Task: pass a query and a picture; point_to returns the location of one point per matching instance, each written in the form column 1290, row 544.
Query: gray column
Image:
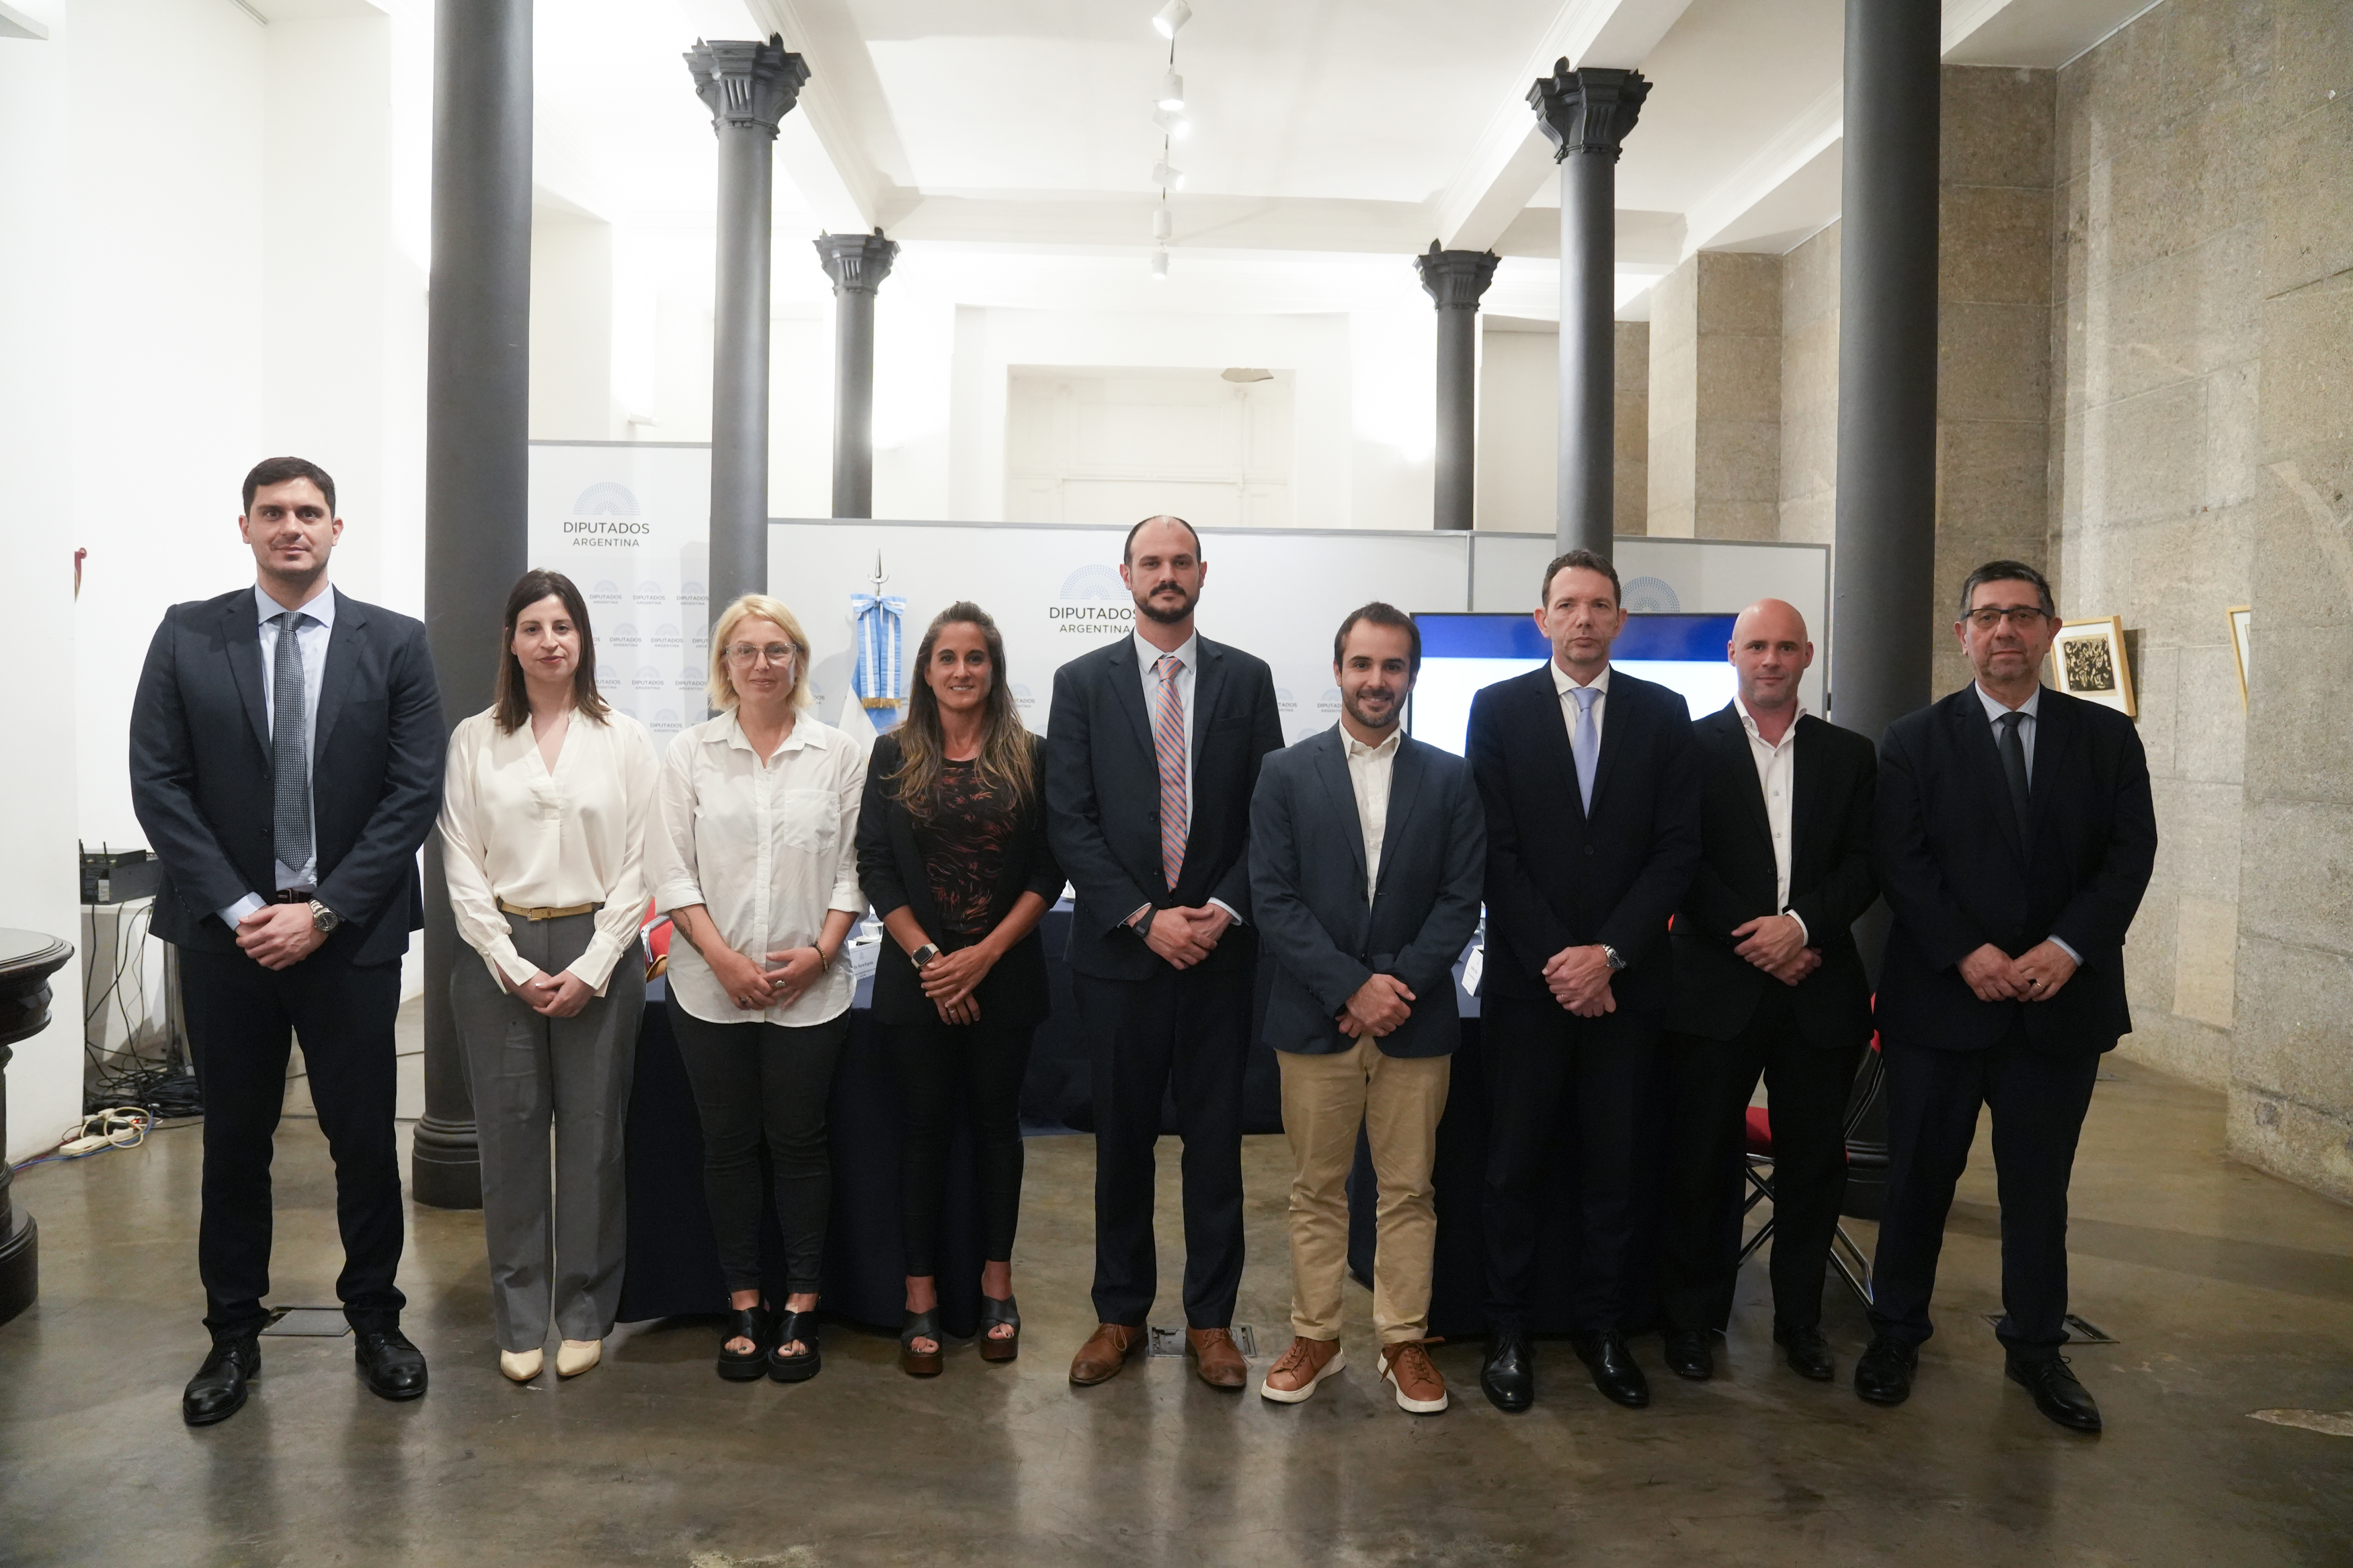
column 1883, row 553
column 748, row 86
column 1585, row 115
column 1455, row 279
column 476, row 404
column 856, row 263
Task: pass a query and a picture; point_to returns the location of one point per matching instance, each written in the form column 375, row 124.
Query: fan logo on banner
column 1094, row 602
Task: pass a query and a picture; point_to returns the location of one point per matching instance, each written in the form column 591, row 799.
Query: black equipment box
column 117, row 876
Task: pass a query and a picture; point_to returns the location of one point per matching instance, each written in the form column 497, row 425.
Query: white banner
column 630, row 523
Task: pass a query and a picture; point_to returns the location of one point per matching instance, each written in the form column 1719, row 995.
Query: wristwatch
column 1610, row 956
column 323, row 920
column 924, row 955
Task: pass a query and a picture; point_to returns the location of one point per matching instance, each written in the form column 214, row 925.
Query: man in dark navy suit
column 1592, row 803
column 2015, row 835
column 286, row 749
column 1152, row 751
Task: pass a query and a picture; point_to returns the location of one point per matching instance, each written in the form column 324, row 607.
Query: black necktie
column 2014, row 764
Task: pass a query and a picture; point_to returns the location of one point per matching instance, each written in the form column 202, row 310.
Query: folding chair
column 1845, row 1256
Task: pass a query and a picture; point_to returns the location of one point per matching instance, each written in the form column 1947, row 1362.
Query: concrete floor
column 2230, row 1292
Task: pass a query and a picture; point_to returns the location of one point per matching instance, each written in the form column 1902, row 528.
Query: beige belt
column 545, row 912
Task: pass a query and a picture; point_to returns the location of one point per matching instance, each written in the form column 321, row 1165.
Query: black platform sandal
column 790, row 1326
column 922, row 1363
column 744, row 1366
column 998, row 1347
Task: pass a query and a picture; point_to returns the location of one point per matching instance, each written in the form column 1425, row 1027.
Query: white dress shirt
column 1189, row 654
column 1994, row 710
column 1561, row 684
column 1369, row 768
column 1777, row 775
column 514, row 829
column 312, row 633
column 767, row 848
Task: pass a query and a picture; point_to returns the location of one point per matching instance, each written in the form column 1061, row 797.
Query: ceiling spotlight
column 1173, row 125
column 1167, row 178
column 1172, row 93
column 1171, row 17
column 1160, row 257
column 1162, row 225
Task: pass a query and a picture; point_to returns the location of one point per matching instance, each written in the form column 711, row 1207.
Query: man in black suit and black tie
column 1152, row 751
column 1767, row 981
column 286, row 749
column 1592, row 804
column 2015, row 835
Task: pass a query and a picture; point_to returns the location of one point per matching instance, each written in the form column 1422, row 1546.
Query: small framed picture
column 2088, row 657
column 2242, row 617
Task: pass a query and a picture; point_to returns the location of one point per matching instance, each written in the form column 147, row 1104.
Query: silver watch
column 1610, row 956
column 323, row 920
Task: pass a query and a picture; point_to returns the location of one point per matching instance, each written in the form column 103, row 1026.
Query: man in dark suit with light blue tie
column 1592, row 797
column 286, row 752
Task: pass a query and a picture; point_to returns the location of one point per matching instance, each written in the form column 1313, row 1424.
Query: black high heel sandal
column 744, row 1366
column 998, row 1347
column 922, row 1363
column 790, row 1326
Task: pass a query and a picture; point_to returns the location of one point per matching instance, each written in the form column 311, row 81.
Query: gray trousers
column 558, row 1254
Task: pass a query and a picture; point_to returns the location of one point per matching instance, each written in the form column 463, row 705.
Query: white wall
column 1111, row 446
column 1519, row 429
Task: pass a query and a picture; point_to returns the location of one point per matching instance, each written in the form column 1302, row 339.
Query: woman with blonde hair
column 542, row 840
column 754, row 855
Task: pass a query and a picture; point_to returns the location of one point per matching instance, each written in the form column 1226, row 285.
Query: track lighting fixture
column 1172, row 93
column 1170, row 18
column 1166, row 177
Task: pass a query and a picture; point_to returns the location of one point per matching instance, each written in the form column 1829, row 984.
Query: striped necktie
column 1169, row 751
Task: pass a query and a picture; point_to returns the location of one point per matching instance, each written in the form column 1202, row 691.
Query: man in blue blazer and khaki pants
column 1367, row 849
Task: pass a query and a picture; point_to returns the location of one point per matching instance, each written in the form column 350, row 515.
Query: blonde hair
column 757, row 606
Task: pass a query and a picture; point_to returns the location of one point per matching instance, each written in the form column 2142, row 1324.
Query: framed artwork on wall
column 2088, row 660
column 2243, row 616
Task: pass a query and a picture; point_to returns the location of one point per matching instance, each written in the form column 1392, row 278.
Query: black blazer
column 891, row 869
column 1103, row 800
column 1555, row 878
column 1307, row 891
column 1835, row 774
column 1955, row 872
column 200, row 772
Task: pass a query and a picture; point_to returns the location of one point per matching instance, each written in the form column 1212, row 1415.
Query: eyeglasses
column 2025, row 618
column 743, row 655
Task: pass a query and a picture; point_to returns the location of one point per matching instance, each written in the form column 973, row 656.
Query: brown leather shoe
column 1219, row 1360
column 1105, row 1352
column 1420, row 1387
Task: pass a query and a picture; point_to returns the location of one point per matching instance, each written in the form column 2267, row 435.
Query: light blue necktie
column 1587, row 743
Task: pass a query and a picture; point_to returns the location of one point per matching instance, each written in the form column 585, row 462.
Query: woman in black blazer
column 952, row 851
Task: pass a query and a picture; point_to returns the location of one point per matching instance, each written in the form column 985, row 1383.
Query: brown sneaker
column 1219, row 1360
column 1420, row 1388
column 1105, row 1352
column 1306, row 1363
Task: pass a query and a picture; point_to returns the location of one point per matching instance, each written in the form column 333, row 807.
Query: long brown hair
column 1005, row 760
column 512, row 699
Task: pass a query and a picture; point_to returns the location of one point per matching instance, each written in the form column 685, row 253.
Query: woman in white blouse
column 544, row 830
column 754, row 857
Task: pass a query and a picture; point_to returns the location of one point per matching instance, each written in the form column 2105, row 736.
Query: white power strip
column 122, row 1126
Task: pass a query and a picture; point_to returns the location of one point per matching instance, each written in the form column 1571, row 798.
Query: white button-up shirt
column 1561, row 684
column 1776, row 776
column 767, row 848
column 1369, row 768
column 512, row 828
column 310, row 638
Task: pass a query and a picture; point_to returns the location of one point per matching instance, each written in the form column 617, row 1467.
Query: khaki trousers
column 1397, row 1101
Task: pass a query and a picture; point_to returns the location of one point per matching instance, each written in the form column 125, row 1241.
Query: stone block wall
column 1714, row 398
column 1809, row 369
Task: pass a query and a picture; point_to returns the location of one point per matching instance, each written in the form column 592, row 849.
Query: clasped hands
column 1777, row 944
column 2034, row 975
column 1185, row 936
column 750, row 987
column 1380, row 1007
column 1578, row 978
column 278, row 936
column 551, row 995
column 951, row 979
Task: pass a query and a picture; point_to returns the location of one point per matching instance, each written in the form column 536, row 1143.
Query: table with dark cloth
column 673, row 1259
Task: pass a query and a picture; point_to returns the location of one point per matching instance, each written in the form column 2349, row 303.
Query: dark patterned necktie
column 2014, row 764
column 291, row 768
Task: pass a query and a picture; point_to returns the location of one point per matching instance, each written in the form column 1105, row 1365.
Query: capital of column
column 1588, row 110
column 1456, row 278
column 857, row 262
column 746, row 85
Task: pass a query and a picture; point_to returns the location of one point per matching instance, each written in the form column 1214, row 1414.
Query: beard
column 1359, row 710
column 1151, row 611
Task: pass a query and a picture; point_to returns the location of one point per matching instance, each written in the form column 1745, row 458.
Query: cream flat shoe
column 577, row 1356
column 521, row 1366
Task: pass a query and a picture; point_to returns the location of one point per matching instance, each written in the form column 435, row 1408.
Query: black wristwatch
column 924, row 955
column 1610, row 956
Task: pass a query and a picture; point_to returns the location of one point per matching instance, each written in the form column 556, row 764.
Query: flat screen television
column 1462, row 653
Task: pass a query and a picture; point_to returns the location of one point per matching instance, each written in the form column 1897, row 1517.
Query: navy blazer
column 1103, row 800
column 1557, row 878
column 201, row 772
column 1958, row 873
column 1834, row 773
column 1307, row 891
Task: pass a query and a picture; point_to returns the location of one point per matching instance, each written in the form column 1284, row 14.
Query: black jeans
column 932, row 1062
column 1699, row 1241
column 754, row 1079
column 241, row 1018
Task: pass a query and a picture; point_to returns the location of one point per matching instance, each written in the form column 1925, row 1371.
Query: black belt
column 293, row 895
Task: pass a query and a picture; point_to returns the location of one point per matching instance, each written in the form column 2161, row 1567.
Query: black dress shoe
column 1509, row 1377
column 1690, row 1355
column 394, row 1368
column 1615, row 1371
column 2056, row 1392
column 1809, row 1354
column 1883, row 1375
column 218, row 1391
